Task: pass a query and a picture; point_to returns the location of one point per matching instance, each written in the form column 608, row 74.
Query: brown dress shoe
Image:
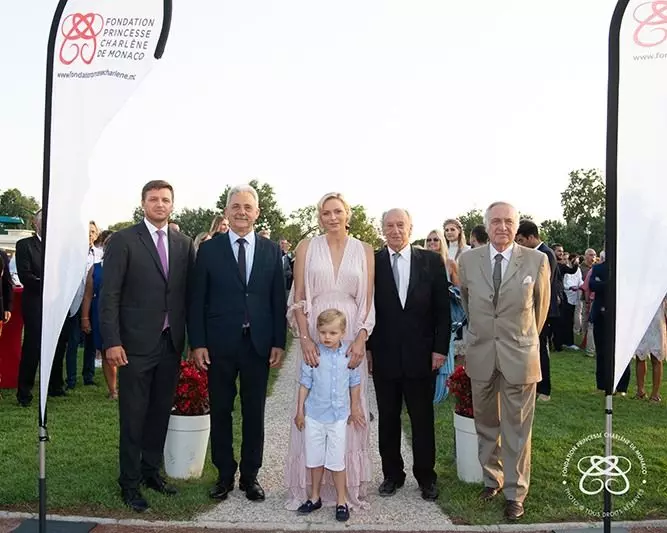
column 513, row 510
column 489, row 493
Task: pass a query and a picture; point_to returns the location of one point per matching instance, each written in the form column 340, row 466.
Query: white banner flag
column 641, row 279
column 99, row 52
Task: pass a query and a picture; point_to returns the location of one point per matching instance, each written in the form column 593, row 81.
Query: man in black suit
column 142, row 319
column 6, row 290
column 237, row 327
column 29, row 268
column 408, row 345
column 528, row 235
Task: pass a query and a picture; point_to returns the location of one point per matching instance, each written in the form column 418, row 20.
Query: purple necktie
column 162, row 252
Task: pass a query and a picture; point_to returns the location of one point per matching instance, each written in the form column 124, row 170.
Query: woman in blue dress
column 90, row 320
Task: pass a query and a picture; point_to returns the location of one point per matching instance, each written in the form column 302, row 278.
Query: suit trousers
column 30, row 356
column 418, row 395
column 544, row 386
column 146, row 388
column 252, row 369
column 567, row 323
column 600, row 334
column 504, row 413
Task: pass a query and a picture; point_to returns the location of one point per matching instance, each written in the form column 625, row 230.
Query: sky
column 433, row 105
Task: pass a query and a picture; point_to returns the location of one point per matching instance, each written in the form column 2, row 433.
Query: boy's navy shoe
column 309, row 507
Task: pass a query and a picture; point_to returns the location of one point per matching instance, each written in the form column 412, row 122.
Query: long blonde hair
column 444, row 251
column 461, row 241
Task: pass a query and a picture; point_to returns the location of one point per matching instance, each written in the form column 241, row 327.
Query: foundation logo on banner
column 90, row 36
column 651, row 19
column 586, row 474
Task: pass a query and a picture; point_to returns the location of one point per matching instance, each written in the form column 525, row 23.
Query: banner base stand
column 55, row 526
column 593, row 530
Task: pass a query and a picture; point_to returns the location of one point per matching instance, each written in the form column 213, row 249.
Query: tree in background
column 270, row 215
column 194, row 221
column 138, row 214
column 13, row 203
column 364, row 227
column 584, row 198
column 117, row 226
column 470, row 219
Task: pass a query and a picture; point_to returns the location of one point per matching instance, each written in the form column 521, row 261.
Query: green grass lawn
column 82, row 458
column 575, row 411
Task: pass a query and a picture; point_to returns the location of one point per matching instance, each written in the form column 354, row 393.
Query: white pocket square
column 527, row 280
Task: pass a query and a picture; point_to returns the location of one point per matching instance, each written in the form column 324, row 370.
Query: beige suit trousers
column 504, row 421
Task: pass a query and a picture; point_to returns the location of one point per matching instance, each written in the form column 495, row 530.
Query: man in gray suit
column 506, row 291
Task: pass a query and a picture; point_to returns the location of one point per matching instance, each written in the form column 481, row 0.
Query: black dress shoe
column 133, row 499
column 24, row 402
column 221, row 490
column 57, row 393
column 513, row 510
column 389, row 487
column 342, row 513
column 309, row 506
column 430, row 492
column 488, row 493
column 253, row 490
column 158, row 483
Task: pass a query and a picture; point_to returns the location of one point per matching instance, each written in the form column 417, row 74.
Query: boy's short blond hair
column 330, row 316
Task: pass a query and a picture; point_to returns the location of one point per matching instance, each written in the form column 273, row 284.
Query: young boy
column 329, row 398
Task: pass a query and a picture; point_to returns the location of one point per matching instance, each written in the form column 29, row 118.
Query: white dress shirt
column 249, row 250
column 153, row 231
column 507, row 255
column 572, row 283
column 404, row 260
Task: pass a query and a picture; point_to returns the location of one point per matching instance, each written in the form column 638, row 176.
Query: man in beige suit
column 506, row 292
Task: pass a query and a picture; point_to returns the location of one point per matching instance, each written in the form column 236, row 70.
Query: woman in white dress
column 653, row 346
column 456, row 239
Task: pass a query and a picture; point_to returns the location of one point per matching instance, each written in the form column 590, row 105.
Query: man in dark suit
column 598, row 285
column 142, row 319
column 528, row 235
column 6, row 290
column 408, row 345
column 288, row 263
column 237, row 327
column 29, row 268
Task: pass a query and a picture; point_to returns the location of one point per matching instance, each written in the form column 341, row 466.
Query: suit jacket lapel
column 385, row 265
column 415, row 268
column 147, row 240
column 485, row 265
column 256, row 259
column 514, row 266
column 228, row 253
column 174, row 251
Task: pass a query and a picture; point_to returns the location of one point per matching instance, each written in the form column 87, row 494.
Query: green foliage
column 121, row 225
column 194, row 221
column 138, row 215
column 584, row 198
column 270, row 216
column 301, row 223
column 364, row 227
column 13, row 203
column 572, row 236
column 470, row 219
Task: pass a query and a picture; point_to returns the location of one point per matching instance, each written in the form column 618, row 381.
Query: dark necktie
column 497, row 277
column 397, row 275
column 243, row 271
column 242, row 264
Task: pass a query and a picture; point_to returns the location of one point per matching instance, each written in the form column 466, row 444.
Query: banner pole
column 611, row 227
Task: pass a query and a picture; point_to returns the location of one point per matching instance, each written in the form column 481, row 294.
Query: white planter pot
column 467, row 446
column 186, row 445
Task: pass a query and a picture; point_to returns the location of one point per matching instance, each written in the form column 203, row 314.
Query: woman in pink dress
column 333, row 270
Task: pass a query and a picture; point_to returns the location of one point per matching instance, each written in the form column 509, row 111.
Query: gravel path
column 406, row 508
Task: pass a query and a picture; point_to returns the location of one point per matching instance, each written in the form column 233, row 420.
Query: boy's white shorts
column 325, row 444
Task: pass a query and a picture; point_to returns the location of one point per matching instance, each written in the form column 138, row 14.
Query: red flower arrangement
column 191, row 392
column 460, row 387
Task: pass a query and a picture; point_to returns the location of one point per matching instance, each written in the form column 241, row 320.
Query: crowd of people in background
column 566, row 299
